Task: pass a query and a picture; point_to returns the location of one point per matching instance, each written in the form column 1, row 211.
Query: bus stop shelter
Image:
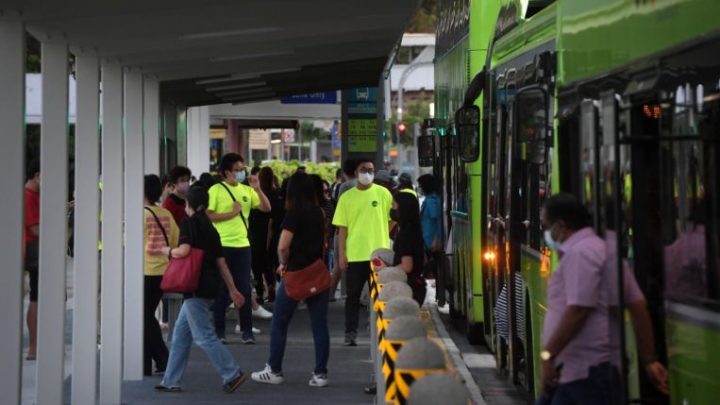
column 138, row 66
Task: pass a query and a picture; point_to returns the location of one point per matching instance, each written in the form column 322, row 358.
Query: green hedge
column 283, row 169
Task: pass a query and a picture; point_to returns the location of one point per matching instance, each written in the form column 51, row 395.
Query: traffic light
column 401, row 129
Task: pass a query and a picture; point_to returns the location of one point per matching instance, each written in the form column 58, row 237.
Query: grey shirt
column 346, row 186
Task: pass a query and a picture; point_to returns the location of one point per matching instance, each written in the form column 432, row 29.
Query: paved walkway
column 349, row 370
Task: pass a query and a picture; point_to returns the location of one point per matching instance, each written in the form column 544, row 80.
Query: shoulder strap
column 167, row 241
column 242, row 216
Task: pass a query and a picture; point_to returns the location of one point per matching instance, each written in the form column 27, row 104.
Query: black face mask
column 394, row 215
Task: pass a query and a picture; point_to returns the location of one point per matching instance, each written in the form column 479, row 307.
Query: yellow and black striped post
column 417, row 358
column 402, row 329
column 397, row 306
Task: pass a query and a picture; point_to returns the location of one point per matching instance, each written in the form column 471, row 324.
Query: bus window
column 690, row 254
column 588, row 156
column 532, row 126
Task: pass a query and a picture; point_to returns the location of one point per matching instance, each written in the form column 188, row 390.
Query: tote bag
column 182, row 274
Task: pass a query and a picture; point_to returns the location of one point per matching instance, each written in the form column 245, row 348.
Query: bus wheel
column 475, row 333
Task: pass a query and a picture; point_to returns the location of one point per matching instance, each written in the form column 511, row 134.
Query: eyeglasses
column 367, row 170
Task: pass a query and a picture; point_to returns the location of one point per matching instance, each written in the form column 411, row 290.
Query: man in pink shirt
column 579, row 364
column 576, row 357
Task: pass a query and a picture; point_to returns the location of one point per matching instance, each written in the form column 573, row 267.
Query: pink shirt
column 580, row 280
column 685, row 265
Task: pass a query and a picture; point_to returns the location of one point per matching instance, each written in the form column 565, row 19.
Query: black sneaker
column 162, row 388
column 233, row 384
column 350, row 339
column 248, row 340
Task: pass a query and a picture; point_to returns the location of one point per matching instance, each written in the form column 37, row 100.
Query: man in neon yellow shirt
column 229, row 205
column 362, row 217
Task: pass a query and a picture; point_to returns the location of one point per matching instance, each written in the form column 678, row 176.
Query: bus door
column 597, row 182
column 530, row 183
column 498, row 172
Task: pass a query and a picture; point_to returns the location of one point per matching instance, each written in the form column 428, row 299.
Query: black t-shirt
column 307, row 243
column 409, row 243
column 201, row 234
column 259, row 223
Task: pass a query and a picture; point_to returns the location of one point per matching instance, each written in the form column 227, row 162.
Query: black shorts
column 31, row 266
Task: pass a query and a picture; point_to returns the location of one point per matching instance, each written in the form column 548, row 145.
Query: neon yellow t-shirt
column 233, row 232
column 155, row 261
column 365, row 214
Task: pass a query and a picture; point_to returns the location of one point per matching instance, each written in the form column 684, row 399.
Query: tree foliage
column 310, row 132
column 424, row 19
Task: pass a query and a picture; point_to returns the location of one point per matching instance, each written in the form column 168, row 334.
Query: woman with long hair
column 193, row 323
column 408, row 246
column 301, row 244
column 260, row 238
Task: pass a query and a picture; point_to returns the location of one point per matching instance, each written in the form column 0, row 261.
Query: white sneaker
column 238, row 331
column 267, row 376
column 262, row 313
column 318, row 380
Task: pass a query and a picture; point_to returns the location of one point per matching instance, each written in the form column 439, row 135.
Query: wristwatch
column 545, row 355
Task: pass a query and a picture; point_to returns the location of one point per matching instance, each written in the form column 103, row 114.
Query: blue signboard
column 326, row 97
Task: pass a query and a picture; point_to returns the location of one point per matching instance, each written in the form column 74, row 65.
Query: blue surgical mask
column 549, row 241
column 240, row 176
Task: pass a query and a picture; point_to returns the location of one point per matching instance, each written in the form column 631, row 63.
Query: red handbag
column 308, row 281
column 182, row 274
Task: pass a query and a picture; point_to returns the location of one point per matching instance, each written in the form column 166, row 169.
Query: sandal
column 162, row 388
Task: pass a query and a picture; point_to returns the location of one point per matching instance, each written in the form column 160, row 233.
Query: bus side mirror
column 467, row 124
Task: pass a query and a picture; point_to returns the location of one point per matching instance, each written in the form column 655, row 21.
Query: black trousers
column 357, row 274
column 153, row 344
column 261, row 270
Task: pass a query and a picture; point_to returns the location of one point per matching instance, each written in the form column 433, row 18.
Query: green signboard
column 362, row 120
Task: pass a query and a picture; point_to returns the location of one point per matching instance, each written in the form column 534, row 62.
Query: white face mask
column 365, row 178
column 549, row 241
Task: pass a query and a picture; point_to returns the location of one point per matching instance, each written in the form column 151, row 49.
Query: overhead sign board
column 362, row 119
column 325, row 97
column 259, row 139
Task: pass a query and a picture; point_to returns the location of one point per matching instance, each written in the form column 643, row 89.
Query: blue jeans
column 282, row 314
column 193, row 324
column 238, row 260
column 603, row 386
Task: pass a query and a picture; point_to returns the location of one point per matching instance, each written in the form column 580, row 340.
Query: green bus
column 618, row 102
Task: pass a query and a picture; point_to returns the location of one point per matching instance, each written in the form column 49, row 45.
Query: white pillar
column 53, row 224
column 86, row 228
column 151, row 115
column 313, row 151
column 112, row 230
column 12, row 167
column 198, row 139
column 134, row 222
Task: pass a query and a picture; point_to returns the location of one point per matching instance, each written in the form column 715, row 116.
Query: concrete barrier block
column 435, row 389
column 405, row 328
column 400, row 306
column 395, row 289
column 389, row 274
column 421, row 353
column 382, row 256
